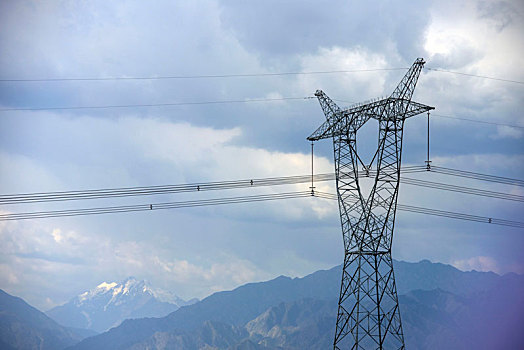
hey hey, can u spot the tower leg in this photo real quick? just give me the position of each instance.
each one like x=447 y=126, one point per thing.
x=368 y=314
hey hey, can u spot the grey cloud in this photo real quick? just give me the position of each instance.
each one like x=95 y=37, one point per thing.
x=461 y=54
x=55 y=258
x=501 y=13
x=296 y=27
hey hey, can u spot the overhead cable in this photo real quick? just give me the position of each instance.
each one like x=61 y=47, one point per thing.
x=477 y=121
x=461 y=189
x=239 y=75
x=38 y=197
x=237 y=200
x=475 y=75
x=155 y=206
x=477 y=176
x=205 y=76
x=442 y=213
x=153 y=104
x=163 y=189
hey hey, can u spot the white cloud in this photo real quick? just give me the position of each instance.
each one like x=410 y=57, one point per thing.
x=56 y=233
x=478 y=263
x=508 y=131
x=21 y=173
x=218 y=276
x=129 y=255
x=8 y=275
x=477 y=38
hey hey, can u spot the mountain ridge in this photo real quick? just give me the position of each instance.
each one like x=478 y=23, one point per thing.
x=24 y=327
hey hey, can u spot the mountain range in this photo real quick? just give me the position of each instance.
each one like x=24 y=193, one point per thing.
x=441 y=308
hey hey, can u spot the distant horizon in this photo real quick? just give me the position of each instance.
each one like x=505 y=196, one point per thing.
x=270 y=279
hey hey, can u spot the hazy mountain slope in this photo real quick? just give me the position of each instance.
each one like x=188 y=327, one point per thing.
x=427 y=276
x=210 y=335
x=296 y=325
x=109 y=304
x=24 y=327
x=303 y=324
x=487 y=320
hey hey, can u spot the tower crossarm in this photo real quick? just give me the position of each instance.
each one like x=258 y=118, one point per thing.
x=340 y=122
x=327 y=130
x=334 y=117
x=402 y=109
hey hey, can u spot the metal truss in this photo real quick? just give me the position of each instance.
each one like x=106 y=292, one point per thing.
x=368 y=312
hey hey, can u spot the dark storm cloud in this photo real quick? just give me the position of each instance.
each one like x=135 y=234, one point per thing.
x=501 y=13
x=296 y=27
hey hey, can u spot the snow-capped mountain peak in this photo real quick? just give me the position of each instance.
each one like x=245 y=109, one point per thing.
x=106 y=286
x=130 y=287
x=109 y=303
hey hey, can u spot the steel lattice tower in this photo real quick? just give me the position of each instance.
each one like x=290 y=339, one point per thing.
x=368 y=312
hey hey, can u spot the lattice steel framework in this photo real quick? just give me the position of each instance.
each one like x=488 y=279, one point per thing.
x=368 y=312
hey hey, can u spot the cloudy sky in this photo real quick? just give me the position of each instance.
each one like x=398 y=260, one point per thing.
x=196 y=251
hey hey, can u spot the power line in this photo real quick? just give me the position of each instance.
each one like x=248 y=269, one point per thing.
x=477 y=121
x=238 y=200
x=209 y=76
x=461 y=189
x=23 y=198
x=37 y=197
x=477 y=176
x=246 y=75
x=475 y=75
x=153 y=104
x=155 y=206
x=460 y=216
x=442 y=213
x=162 y=189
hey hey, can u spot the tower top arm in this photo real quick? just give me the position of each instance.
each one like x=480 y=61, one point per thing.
x=406 y=87
x=334 y=116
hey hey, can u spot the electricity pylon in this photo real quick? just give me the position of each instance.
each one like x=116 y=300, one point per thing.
x=368 y=312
